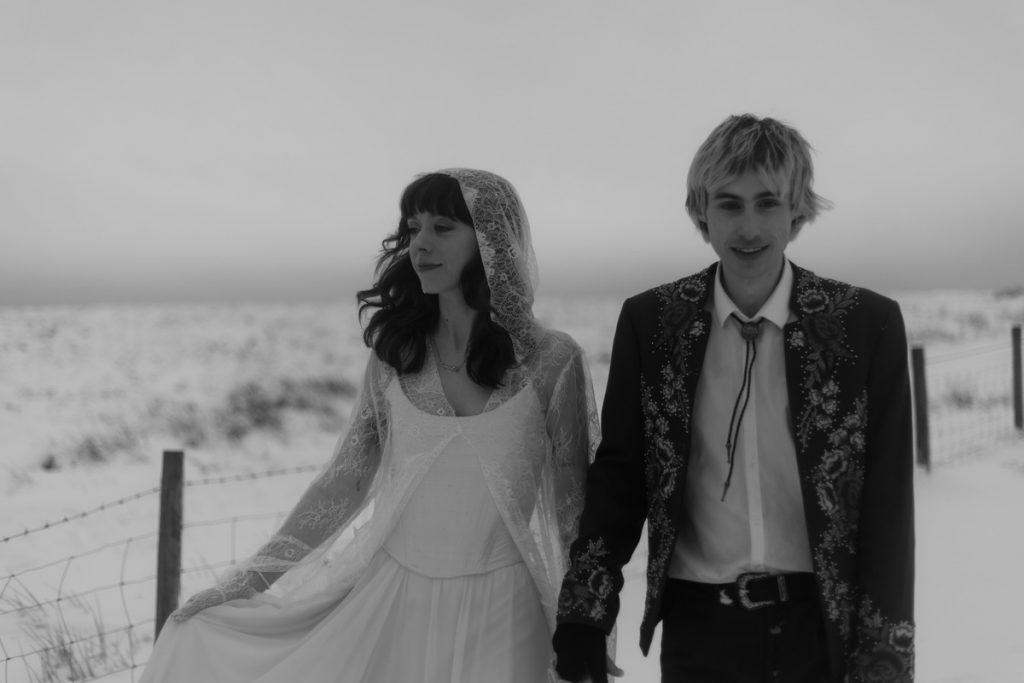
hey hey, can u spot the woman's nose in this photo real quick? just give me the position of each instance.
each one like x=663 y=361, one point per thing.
x=419 y=242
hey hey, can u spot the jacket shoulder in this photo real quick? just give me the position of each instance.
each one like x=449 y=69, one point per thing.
x=810 y=291
x=695 y=288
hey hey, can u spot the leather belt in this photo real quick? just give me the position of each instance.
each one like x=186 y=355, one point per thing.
x=750 y=591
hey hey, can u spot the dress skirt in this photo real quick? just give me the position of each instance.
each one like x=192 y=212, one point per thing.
x=394 y=626
x=447 y=599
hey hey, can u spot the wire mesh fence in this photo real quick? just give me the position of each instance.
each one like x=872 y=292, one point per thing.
x=971 y=400
x=89 y=615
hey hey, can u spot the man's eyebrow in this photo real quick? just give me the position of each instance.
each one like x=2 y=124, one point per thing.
x=759 y=195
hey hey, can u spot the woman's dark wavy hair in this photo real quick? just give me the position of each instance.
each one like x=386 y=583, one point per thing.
x=397 y=331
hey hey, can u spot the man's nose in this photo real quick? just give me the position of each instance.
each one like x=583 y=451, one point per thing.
x=747 y=224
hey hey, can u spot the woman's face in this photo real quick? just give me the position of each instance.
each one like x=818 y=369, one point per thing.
x=440 y=249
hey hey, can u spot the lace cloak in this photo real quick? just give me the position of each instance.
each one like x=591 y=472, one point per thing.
x=347 y=512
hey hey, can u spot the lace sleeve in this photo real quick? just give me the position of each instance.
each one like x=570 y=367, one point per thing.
x=339 y=490
x=573 y=428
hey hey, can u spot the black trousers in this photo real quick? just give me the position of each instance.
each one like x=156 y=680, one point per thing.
x=709 y=642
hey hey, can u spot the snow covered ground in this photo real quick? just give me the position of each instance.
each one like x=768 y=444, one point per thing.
x=90 y=397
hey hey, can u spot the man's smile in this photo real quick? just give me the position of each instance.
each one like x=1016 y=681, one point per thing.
x=749 y=251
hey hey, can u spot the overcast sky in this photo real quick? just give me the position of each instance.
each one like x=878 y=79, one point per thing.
x=205 y=150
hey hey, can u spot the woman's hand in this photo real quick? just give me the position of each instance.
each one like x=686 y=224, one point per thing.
x=236 y=588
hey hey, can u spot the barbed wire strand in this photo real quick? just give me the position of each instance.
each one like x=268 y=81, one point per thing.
x=208 y=481
x=81 y=515
x=221 y=521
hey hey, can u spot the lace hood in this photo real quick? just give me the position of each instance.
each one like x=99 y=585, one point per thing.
x=503 y=234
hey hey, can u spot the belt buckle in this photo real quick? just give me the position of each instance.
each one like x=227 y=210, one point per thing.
x=741 y=585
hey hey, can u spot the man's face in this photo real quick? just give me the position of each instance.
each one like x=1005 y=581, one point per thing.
x=749 y=226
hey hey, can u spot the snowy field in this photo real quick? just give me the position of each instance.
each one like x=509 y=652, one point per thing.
x=90 y=397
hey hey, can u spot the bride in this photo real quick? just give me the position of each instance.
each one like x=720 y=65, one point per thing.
x=432 y=544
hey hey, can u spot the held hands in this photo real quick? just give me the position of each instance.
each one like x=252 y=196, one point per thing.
x=581 y=654
x=238 y=587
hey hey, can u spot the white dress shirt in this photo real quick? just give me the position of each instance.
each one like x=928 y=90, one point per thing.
x=760 y=525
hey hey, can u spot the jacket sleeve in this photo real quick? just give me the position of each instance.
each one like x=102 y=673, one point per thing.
x=616 y=503
x=884 y=637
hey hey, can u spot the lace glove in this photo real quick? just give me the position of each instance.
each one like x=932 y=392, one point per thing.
x=581 y=652
x=240 y=586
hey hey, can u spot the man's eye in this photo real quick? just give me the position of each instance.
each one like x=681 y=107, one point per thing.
x=729 y=206
x=769 y=203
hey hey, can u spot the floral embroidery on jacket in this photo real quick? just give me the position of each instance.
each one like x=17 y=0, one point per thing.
x=839 y=477
x=667 y=409
x=820 y=339
x=884 y=649
x=588 y=584
x=888 y=652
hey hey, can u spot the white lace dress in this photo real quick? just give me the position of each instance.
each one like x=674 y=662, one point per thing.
x=454 y=574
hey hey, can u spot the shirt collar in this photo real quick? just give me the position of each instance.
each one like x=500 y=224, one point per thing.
x=775 y=309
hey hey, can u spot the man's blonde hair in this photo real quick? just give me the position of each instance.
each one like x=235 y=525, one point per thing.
x=773 y=150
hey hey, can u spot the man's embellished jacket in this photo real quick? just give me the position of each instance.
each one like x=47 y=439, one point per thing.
x=849 y=399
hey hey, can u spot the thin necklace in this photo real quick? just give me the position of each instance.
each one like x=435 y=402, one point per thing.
x=437 y=356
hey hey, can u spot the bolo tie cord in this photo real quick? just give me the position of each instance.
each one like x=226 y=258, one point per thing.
x=749 y=332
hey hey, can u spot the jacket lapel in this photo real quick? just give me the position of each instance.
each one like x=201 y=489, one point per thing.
x=815 y=344
x=667 y=390
x=828 y=419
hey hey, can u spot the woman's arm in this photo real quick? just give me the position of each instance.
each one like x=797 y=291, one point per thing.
x=329 y=503
x=573 y=428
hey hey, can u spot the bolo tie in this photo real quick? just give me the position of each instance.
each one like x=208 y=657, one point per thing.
x=749 y=332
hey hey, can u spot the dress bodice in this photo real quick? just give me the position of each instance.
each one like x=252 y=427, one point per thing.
x=450 y=525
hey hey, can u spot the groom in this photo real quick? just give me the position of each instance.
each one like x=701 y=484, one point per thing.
x=757 y=417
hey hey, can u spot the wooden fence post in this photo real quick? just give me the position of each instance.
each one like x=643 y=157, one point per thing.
x=920 y=407
x=168 y=562
x=1018 y=380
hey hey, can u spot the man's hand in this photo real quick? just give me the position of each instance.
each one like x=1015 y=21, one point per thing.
x=581 y=654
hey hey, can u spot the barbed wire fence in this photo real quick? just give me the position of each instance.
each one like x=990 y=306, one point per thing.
x=68 y=620
x=90 y=628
